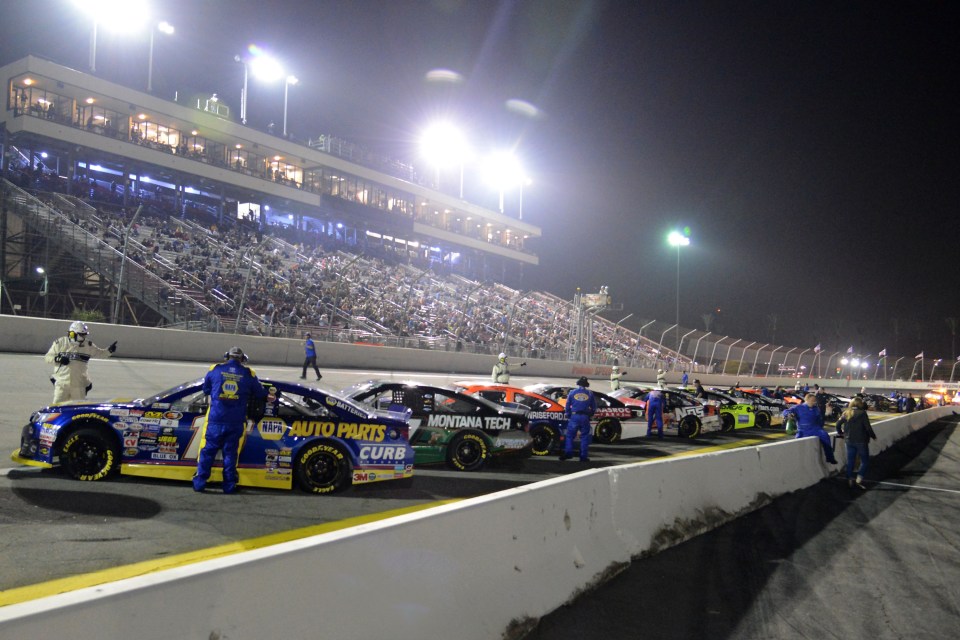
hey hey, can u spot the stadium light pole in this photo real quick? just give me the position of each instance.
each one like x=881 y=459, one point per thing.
x=503 y=170
x=291 y=80
x=679 y=239
x=262 y=67
x=443 y=145
x=163 y=27
x=122 y=15
x=696 y=348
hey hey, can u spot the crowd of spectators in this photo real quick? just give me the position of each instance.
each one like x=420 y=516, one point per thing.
x=283 y=285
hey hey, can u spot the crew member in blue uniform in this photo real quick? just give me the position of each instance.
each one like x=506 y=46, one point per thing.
x=310 y=357
x=810 y=423
x=581 y=405
x=230 y=385
x=654 y=411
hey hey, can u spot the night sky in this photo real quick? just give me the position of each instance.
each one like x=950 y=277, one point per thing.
x=811 y=147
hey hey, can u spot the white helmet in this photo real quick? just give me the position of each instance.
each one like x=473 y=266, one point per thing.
x=616 y=368
x=502 y=356
x=78 y=331
x=660 y=371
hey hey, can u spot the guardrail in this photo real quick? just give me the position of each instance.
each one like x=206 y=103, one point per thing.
x=477 y=569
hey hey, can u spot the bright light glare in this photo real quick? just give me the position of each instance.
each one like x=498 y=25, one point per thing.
x=262 y=66
x=293 y=80
x=844 y=361
x=166 y=27
x=864 y=364
x=126 y=16
x=855 y=362
x=502 y=169
x=442 y=144
x=523 y=108
x=40 y=270
x=677 y=239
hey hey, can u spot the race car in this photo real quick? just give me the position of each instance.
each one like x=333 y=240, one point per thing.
x=319 y=441
x=548 y=424
x=680 y=411
x=613 y=419
x=769 y=411
x=447 y=426
x=733 y=413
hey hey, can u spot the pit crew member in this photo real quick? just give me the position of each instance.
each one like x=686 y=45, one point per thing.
x=501 y=370
x=581 y=405
x=810 y=423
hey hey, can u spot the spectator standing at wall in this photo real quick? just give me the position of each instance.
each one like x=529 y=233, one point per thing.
x=580 y=407
x=821 y=400
x=230 y=386
x=810 y=424
x=615 y=376
x=854 y=426
x=71 y=353
x=310 y=357
x=910 y=404
x=661 y=379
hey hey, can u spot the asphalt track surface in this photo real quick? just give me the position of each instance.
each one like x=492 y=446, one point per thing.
x=59 y=534
x=823 y=562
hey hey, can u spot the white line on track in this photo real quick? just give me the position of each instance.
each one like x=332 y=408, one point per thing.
x=917 y=486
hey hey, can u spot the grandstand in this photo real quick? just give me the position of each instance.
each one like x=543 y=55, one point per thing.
x=160 y=213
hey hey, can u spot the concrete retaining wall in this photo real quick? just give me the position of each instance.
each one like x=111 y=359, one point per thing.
x=478 y=569
x=20 y=334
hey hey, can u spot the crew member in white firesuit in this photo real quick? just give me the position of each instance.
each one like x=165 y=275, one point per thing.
x=661 y=379
x=615 y=376
x=71 y=353
x=501 y=370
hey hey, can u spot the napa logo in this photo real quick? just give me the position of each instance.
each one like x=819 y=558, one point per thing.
x=271 y=428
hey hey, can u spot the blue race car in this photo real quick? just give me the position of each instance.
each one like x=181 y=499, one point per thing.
x=322 y=442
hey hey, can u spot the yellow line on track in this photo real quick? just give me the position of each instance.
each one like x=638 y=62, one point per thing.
x=84 y=580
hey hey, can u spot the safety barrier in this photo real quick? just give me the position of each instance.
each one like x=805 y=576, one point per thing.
x=483 y=568
x=21 y=334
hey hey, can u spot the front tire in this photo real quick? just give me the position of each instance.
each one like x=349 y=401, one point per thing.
x=467 y=451
x=323 y=468
x=88 y=455
x=544 y=439
x=689 y=427
x=727 y=423
x=763 y=420
x=608 y=431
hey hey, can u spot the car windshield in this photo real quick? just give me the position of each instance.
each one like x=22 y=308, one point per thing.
x=183 y=386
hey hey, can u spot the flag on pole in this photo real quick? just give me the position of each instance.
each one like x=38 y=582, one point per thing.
x=883 y=354
x=850 y=350
x=918 y=356
x=816 y=349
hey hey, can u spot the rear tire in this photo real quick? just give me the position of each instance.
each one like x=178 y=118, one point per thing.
x=689 y=427
x=727 y=422
x=467 y=451
x=608 y=431
x=323 y=468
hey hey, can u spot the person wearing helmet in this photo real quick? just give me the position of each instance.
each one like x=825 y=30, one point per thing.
x=230 y=385
x=310 y=357
x=661 y=378
x=581 y=405
x=501 y=370
x=70 y=354
x=615 y=376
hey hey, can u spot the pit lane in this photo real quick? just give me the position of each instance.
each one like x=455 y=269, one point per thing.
x=58 y=529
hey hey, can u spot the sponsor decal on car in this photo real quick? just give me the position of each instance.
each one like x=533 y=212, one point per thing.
x=383 y=452
x=131 y=451
x=451 y=421
x=546 y=415
x=343 y=406
x=350 y=430
x=93 y=416
x=271 y=428
x=511 y=443
x=613 y=412
x=163 y=456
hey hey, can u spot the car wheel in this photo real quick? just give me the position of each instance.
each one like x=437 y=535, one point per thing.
x=608 y=431
x=467 y=451
x=727 y=422
x=544 y=439
x=88 y=455
x=763 y=420
x=322 y=468
x=689 y=427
